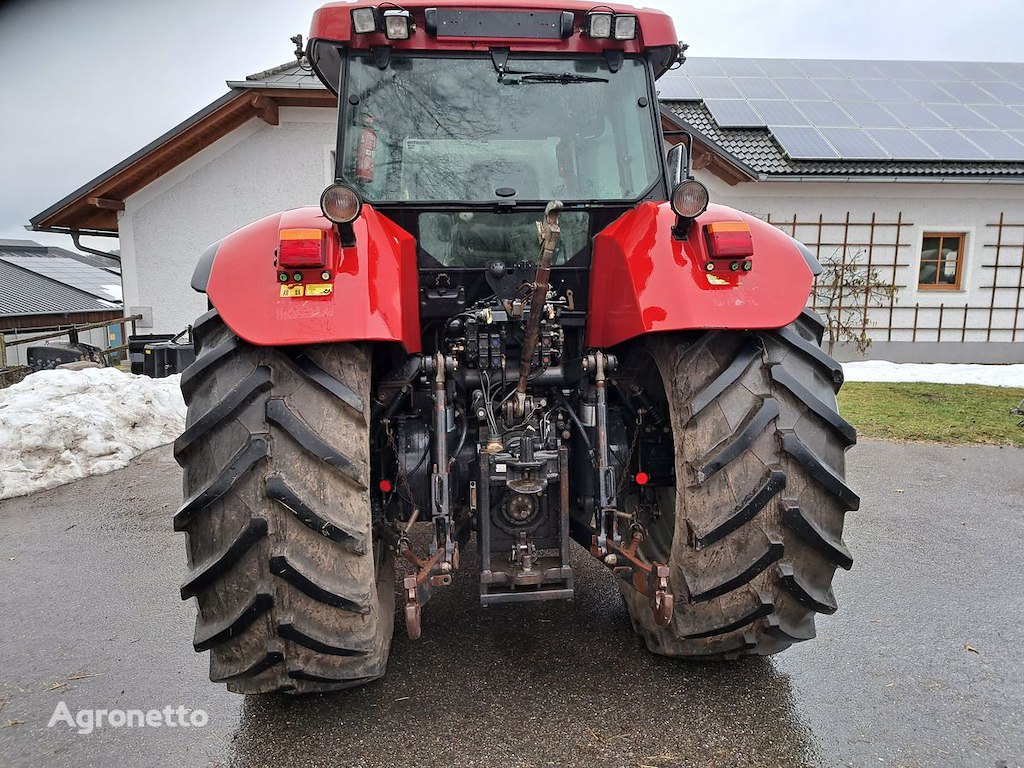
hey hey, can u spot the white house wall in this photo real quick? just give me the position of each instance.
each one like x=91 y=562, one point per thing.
x=255 y=171
x=260 y=169
x=994 y=330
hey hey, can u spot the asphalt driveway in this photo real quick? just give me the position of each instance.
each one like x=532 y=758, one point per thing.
x=921 y=665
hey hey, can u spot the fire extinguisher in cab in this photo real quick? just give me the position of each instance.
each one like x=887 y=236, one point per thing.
x=366 y=150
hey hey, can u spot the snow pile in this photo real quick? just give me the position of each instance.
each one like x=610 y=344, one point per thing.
x=58 y=426
x=936 y=373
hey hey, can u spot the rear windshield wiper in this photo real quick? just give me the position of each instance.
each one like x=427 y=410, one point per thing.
x=547 y=77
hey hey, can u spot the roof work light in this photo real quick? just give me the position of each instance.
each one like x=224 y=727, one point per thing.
x=603 y=25
x=397 y=24
x=624 y=27
x=598 y=24
x=365 y=21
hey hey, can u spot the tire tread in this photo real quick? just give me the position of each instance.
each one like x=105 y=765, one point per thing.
x=748 y=578
x=292 y=595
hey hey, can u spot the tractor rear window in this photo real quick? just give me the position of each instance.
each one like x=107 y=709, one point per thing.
x=441 y=129
x=474 y=239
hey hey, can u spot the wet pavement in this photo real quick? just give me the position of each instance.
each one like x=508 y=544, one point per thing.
x=920 y=666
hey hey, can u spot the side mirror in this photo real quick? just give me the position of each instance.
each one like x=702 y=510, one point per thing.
x=678 y=164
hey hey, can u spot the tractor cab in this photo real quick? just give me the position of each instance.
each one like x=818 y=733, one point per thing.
x=461 y=124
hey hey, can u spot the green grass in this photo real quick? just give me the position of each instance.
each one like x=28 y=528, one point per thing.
x=939 y=413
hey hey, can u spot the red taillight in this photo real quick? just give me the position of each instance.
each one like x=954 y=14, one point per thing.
x=729 y=240
x=301 y=249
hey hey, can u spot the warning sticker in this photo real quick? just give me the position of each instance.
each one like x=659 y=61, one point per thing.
x=290 y=291
x=715 y=279
x=318 y=289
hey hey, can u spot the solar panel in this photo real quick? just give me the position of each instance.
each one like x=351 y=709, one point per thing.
x=775 y=112
x=853 y=144
x=817 y=68
x=1001 y=116
x=842 y=89
x=757 y=88
x=997 y=144
x=927 y=91
x=824 y=113
x=803 y=143
x=799 y=88
x=858 y=69
x=914 y=115
x=701 y=66
x=739 y=67
x=936 y=70
x=677 y=87
x=959 y=116
x=1007 y=69
x=1007 y=93
x=950 y=145
x=967 y=93
x=776 y=68
x=98 y=282
x=900 y=70
x=869 y=114
x=901 y=144
x=715 y=87
x=970 y=70
x=884 y=90
x=734 y=113
x=865 y=110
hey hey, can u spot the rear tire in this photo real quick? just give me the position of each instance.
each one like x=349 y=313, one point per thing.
x=752 y=533
x=293 y=594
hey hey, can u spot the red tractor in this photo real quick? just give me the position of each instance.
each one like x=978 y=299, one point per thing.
x=511 y=317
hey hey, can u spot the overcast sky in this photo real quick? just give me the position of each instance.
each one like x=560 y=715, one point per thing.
x=85 y=83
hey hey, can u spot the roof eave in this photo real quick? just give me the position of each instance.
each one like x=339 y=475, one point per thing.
x=110 y=310
x=725 y=165
x=39 y=221
x=92 y=208
x=893 y=179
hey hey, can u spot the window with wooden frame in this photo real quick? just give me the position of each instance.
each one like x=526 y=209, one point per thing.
x=942 y=261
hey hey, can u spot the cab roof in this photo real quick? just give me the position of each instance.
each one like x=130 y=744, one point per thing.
x=655 y=29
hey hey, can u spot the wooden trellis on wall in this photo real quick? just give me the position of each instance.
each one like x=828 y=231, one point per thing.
x=884 y=245
x=1005 y=274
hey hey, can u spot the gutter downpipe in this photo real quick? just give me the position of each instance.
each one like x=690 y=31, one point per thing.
x=86 y=249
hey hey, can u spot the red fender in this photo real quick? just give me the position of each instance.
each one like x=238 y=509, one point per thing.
x=644 y=280
x=373 y=286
